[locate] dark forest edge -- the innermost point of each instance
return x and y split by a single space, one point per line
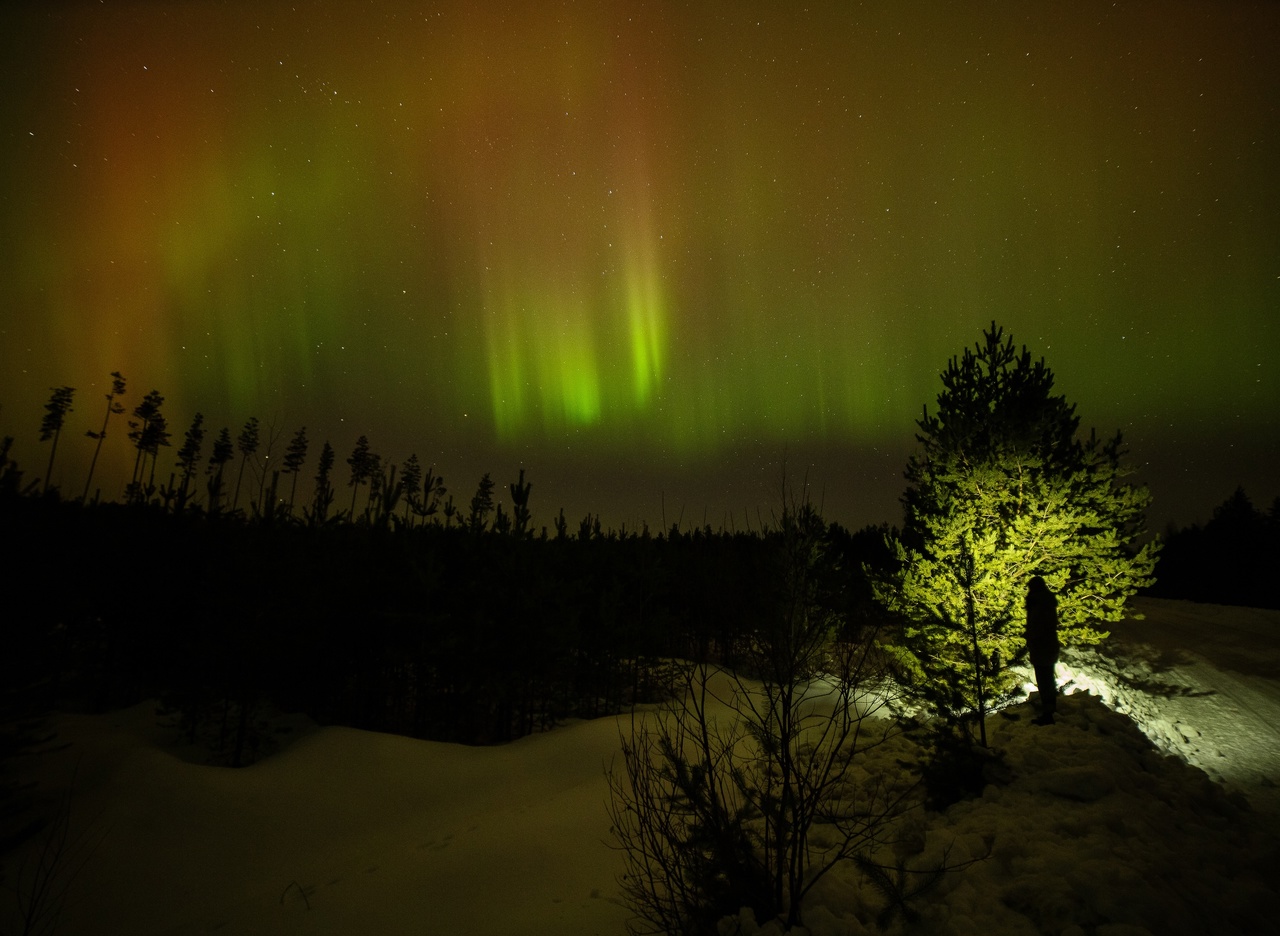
1232 559
450 629
1229 560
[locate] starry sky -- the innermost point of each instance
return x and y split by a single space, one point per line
651 251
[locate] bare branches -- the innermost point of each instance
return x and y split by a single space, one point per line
45 877
746 789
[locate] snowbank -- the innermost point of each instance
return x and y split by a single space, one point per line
341 832
1092 831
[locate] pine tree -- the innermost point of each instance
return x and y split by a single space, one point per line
262 466
361 462
520 489
501 522
157 434
423 491
433 492
481 505
113 408
189 457
294 458
10 473
322 498
149 433
1003 490
247 443
379 485
51 425
392 491
222 452
410 483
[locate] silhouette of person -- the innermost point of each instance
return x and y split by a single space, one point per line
1042 642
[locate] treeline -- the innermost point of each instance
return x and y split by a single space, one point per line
1233 559
450 633
212 479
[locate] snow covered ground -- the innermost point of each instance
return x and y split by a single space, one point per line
344 832
1202 681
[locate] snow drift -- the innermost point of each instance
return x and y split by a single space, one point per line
1097 827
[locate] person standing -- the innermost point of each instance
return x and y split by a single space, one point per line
1042 643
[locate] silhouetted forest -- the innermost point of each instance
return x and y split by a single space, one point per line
1233 559
448 625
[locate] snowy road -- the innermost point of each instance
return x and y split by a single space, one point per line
1203 681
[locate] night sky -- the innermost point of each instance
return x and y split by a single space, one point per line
649 251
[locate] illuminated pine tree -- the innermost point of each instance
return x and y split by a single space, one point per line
114 408
1003 490
51 425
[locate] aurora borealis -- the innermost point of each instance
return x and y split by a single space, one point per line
646 250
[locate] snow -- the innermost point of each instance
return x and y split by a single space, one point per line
1092 827
341 832
1097 827
1203 683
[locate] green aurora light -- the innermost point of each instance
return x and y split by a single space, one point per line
643 239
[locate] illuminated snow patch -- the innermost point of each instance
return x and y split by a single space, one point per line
1173 708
